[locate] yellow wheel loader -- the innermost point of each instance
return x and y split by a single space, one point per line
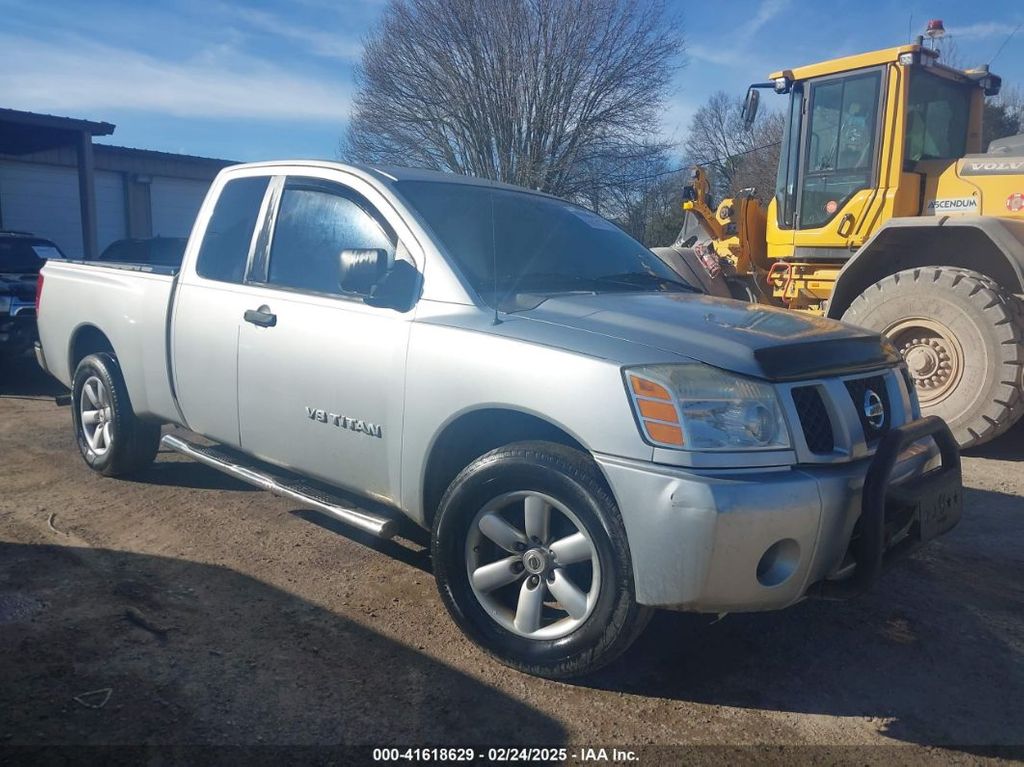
886 215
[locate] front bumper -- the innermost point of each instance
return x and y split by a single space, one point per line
745 540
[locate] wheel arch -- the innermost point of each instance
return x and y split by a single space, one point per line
470 435
85 340
991 246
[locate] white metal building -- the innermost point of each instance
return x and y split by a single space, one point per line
136 192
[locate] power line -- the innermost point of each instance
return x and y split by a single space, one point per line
708 161
1009 38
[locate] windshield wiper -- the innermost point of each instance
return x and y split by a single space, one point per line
643 279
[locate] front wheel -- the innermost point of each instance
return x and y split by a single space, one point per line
111 438
532 562
961 336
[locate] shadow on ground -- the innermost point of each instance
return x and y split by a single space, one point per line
1008 447
935 651
23 377
161 634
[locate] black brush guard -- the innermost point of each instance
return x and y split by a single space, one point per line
896 519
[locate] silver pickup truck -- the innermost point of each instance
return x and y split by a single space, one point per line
585 436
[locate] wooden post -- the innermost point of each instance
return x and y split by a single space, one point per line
87 196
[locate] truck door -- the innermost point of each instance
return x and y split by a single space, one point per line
839 171
208 307
321 373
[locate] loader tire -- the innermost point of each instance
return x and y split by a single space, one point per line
961 335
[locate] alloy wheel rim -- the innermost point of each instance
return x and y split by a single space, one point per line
532 565
97 415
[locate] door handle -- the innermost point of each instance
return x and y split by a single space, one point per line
262 317
845 225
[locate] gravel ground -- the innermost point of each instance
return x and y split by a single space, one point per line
217 614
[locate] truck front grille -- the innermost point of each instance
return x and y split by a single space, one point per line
846 417
859 388
814 419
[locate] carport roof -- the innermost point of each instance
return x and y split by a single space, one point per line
24 132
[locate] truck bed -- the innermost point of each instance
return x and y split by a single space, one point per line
128 304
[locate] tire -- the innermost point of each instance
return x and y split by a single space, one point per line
961 335
121 442
559 643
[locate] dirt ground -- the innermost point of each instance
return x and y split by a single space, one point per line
217 614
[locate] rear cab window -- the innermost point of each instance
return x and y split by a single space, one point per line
230 233
937 112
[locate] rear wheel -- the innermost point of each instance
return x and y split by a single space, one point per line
111 438
961 336
531 560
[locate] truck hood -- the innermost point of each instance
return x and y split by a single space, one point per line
750 339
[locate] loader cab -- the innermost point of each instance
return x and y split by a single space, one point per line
855 130
828 162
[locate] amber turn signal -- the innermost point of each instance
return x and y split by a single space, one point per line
644 388
664 433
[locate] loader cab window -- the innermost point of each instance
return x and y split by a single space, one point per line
842 137
937 114
789 161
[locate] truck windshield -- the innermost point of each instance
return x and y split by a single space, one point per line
937 112
538 244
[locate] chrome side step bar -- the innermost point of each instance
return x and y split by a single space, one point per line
296 491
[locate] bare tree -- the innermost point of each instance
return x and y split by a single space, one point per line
735 157
1003 116
547 94
645 200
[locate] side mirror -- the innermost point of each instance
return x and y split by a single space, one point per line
750 104
360 271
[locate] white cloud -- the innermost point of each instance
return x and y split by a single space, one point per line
767 11
315 41
80 76
728 52
982 30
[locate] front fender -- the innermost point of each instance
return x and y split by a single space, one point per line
986 244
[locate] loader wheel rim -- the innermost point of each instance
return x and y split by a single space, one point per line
933 354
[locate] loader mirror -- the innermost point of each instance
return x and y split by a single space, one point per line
750 104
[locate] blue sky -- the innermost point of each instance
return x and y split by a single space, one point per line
260 80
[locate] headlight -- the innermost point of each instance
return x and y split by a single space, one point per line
698 407
5 304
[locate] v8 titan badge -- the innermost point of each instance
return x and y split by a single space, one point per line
1015 202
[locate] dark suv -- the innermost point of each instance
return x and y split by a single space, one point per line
22 255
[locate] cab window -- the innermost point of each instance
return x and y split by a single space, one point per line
229 234
841 144
316 221
937 112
